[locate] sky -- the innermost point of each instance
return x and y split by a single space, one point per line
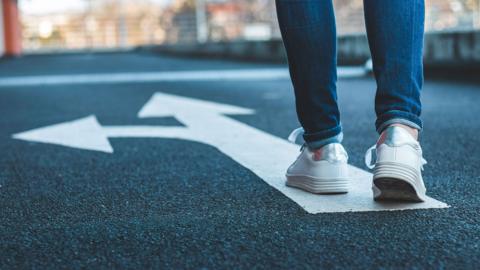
53 6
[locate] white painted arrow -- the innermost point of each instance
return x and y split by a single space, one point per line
86 133
265 155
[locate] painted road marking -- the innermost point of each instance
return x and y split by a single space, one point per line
165 76
264 154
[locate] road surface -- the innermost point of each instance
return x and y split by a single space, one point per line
175 203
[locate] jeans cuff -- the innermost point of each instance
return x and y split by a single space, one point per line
320 139
398 117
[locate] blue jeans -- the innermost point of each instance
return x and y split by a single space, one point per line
395 35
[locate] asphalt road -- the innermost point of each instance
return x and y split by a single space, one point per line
169 203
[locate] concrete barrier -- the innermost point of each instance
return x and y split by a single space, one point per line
452 49
442 49
271 50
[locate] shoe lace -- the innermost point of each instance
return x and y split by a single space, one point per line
293 137
371 158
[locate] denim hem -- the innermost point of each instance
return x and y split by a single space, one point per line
319 144
398 117
319 139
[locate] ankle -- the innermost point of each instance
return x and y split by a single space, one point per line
412 131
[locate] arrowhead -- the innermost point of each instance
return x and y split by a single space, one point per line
85 133
161 105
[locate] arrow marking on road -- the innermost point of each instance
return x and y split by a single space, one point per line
264 154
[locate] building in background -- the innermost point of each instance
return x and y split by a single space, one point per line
101 24
440 15
126 23
225 20
179 22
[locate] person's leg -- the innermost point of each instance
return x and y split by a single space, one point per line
395 34
309 35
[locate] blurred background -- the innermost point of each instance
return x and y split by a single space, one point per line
52 25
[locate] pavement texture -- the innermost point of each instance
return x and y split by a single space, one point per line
173 204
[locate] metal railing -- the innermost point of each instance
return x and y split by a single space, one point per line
127 23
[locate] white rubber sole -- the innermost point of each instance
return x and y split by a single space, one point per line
397 182
318 185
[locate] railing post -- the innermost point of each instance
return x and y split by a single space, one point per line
201 17
11 34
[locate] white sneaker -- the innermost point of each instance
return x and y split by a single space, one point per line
321 171
397 164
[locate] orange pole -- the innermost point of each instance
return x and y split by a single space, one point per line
11 22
